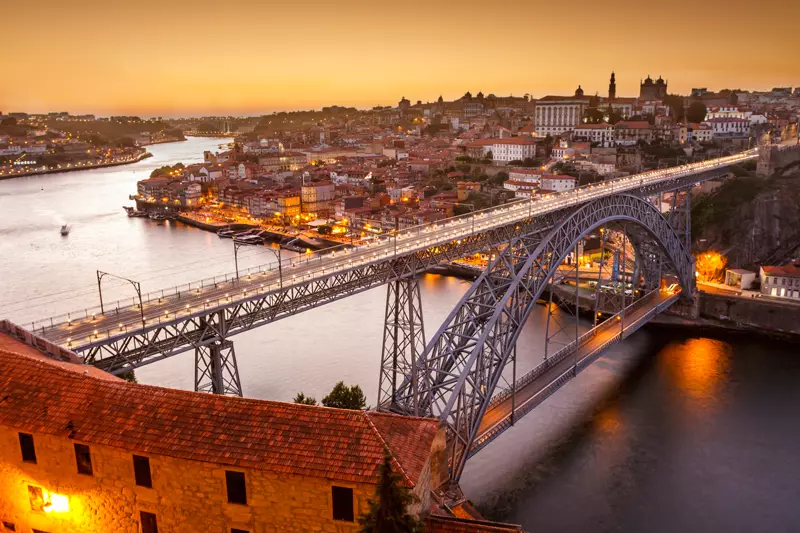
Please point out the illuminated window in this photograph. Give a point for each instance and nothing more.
(148, 520)
(83, 458)
(28, 450)
(342, 498)
(235, 483)
(36, 497)
(141, 471)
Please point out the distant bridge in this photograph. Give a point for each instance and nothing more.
(456, 375)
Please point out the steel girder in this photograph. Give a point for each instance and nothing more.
(132, 349)
(215, 369)
(403, 343)
(463, 362)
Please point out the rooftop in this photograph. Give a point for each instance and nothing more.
(38, 395)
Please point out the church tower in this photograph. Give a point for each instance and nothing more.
(612, 87)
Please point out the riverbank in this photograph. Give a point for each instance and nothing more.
(136, 159)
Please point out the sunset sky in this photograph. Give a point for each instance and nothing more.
(244, 57)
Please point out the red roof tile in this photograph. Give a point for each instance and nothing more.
(39, 397)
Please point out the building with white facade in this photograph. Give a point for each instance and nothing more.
(503, 150)
(602, 133)
(729, 127)
(529, 175)
(554, 115)
(699, 132)
(780, 281)
(557, 182)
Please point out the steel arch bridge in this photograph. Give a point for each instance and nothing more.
(455, 376)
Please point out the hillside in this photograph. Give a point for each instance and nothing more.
(751, 220)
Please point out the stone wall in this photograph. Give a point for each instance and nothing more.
(752, 313)
(773, 158)
(187, 496)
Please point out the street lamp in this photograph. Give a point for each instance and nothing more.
(238, 244)
(136, 285)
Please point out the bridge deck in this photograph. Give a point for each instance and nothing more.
(543, 381)
(92, 328)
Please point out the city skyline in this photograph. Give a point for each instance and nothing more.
(187, 59)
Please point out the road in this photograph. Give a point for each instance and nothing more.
(546, 382)
(82, 328)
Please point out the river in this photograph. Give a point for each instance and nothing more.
(667, 432)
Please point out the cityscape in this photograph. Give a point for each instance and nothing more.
(381, 286)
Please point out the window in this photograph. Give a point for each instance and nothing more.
(38, 531)
(342, 503)
(234, 530)
(84, 459)
(36, 498)
(237, 493)
(9, 526)
(28, 450)
(148, 520)
(141, 471)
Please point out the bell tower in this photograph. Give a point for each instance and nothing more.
(612, 87)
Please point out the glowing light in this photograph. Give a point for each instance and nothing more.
(55, 503)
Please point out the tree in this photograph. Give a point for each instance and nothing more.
(345, 397)
(304, 400)
(129, 376)
(325, 229)
(8, 121)
(388, 512)
(696, 112)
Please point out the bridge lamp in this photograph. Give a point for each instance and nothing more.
(94, 315)
(95, 334)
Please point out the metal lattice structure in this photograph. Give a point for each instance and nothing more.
(403, 343)
(463, 362)
(206, 316)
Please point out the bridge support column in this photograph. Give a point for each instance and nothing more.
(403, 342)
(215, 369)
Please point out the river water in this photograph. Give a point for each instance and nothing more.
(669, 431)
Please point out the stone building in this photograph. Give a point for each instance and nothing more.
(653, 90)
(554, 115)
(83, 451)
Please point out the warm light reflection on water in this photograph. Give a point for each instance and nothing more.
(696, 367)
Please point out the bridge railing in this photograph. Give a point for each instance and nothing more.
(553, 200)
(565, 351)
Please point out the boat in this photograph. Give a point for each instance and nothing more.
(155, 216)
(226, 233)
(65, 229)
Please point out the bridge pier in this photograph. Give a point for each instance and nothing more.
(403, 342)
(215, 369)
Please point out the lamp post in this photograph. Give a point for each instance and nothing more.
(277, 253)
(136, 285)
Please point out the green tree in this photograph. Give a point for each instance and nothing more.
(696, 112)
(129, 376)
(345, 397)
(325, 230)
(388, 512)
(304, 400)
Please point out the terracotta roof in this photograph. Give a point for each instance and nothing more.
(39, 397)
(633, 124)
(791, 271)
(445, 524)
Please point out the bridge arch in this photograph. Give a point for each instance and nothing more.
(463, 363)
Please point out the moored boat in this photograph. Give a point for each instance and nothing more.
(65, 229)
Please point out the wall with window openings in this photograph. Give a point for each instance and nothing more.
(41, 489)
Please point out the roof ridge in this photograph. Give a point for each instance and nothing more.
(388, 448)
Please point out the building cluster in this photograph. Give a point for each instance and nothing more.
(412, 163)
(34, 147)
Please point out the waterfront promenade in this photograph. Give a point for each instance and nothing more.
(72, 167)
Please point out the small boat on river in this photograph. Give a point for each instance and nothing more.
(65, 229)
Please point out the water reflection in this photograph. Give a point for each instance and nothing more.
(697, 368)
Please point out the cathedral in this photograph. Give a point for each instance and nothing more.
(653, 90)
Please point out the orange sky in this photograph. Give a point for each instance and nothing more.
(174, 58)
